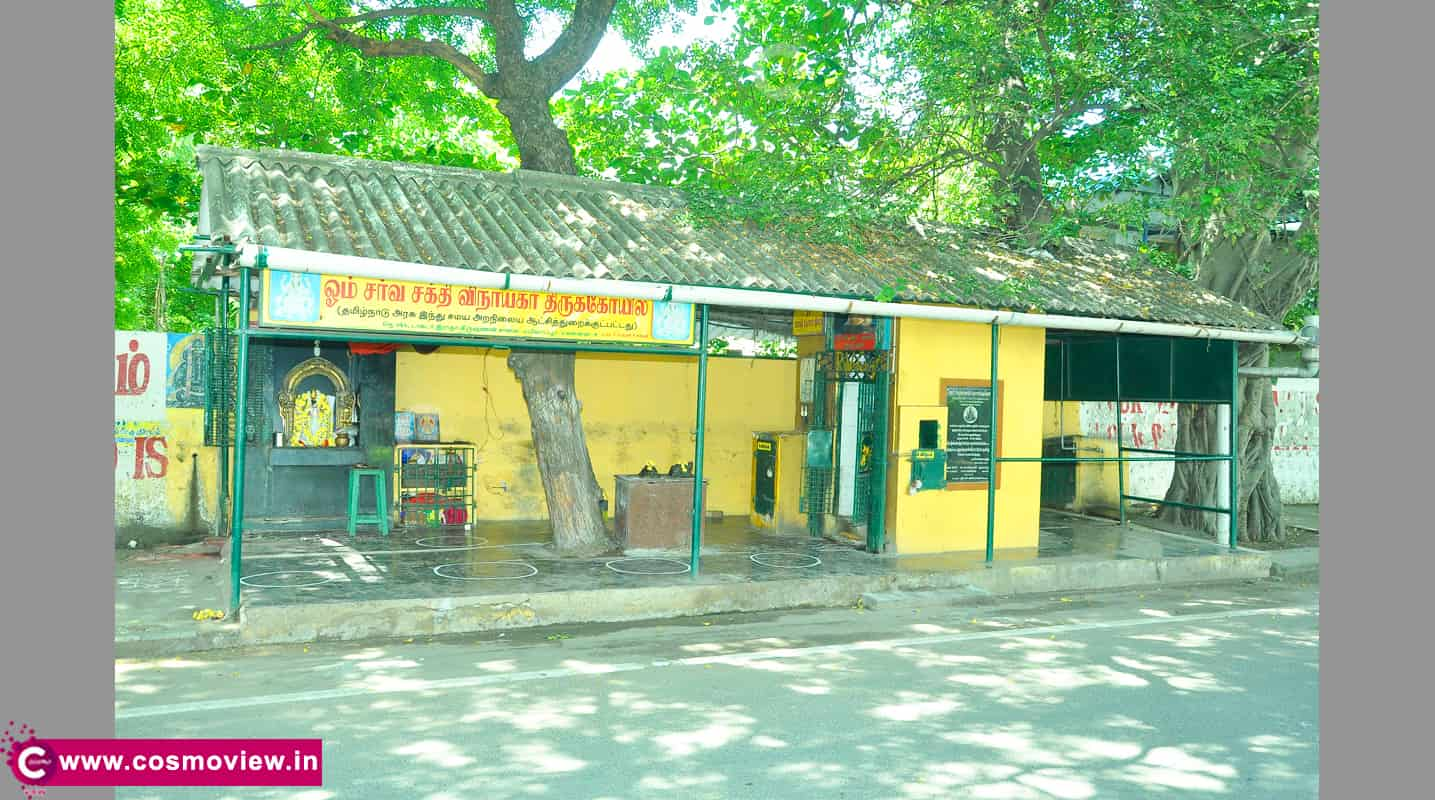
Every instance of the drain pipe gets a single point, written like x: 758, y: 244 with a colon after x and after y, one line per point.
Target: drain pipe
x: 251, y: 255
x: 1309, y: 354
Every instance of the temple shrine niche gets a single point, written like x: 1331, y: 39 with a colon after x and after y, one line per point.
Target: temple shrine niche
x: 316, y: 405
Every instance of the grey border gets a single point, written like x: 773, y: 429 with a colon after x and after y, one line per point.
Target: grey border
x: 58, y: 223
x: 1376, y: 116
x: 1375, y: 665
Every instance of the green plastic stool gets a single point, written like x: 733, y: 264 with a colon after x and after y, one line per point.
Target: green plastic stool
x: 381, y: 498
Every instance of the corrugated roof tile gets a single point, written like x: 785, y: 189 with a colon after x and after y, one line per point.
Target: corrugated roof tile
x: 565, y: 226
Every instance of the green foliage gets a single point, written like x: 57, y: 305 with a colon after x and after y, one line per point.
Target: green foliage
x: 824, y: 120
x: 773, y: 348
x: 765, y: 126
x: 1310, y: 304
x: 196, y: 71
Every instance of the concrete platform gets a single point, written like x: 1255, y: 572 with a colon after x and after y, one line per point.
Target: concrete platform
x: 326, y: 586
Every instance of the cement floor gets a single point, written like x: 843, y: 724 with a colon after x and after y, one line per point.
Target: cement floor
x: 288, y: 568
x: 1303, y: 516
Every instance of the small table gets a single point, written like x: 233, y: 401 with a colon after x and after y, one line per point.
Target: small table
x: 655, y: 512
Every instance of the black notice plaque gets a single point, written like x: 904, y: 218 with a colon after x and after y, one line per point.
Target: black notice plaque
x: 969, y: 433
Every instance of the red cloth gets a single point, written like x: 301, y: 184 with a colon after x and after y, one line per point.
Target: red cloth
x: 371, y: 348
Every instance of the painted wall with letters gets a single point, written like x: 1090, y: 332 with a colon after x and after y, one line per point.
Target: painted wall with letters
x: 165, y: 478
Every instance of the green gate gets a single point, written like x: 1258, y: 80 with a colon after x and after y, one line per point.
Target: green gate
x: 817, y: 465
x: 218, y: 388
x: 870, y: 371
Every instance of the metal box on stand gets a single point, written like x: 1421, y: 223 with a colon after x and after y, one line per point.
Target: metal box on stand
x: 655, y: 513
x: 777, y: 460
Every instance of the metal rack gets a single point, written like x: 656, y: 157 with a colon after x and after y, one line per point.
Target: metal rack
x: 435, y: 485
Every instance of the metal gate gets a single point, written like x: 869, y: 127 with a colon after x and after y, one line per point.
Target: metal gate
x: 218, y: 388
x: 869, y: 371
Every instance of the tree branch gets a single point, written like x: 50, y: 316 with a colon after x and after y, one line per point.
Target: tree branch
x: 472, y: 12
x: 1062, y: 115
x: 1046, y: 49
x: 508, y: 37
x: 572, y: 49
x: 399, y: 48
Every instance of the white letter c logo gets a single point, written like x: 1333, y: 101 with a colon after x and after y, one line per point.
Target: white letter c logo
x: 23, y: 762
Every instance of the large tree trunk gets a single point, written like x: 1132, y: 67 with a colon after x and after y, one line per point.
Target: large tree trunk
x: 1258, y: 506
x: 1027, y: 211
x: 542, y: 145
x: 562, y: 450
x: 547, y: 377
x: 1270, y: 277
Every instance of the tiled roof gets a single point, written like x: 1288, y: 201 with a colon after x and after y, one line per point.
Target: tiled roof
x: 560, y: 226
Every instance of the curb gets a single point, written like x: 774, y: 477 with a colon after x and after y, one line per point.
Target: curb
x: 435, y: 616
x: 219, y: 637
x: 1298, y: 564
x: 376, y: 619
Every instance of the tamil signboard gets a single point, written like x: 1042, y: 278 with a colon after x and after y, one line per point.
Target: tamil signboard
x: 970, y: 406
x: 807, y: 323
x: 332, y: 302
x: 854, y: 332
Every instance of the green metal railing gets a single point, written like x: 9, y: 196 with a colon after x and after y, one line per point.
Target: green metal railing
x: 239, y: 436
x: 1121, y: 459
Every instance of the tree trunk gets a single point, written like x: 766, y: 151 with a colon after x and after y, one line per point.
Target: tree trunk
x: 542, y: 145
x: 1269, y: 277
x: 562, y: 451
x: 523, y: 86
x: 1026, y: 211
x: 1258, y: 509
x: 547, y: 377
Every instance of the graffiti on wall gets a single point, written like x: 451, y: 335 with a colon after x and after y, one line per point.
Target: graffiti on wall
x: 153, y: 372
x: 140, y: 457
x: 184, y: 371
x: 1150, y: 426
x: 1295, y: 454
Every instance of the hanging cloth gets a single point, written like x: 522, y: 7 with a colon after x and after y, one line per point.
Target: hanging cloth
x: 371, y: 348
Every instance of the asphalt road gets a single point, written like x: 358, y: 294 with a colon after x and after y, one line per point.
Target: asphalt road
x: 1200, y: 693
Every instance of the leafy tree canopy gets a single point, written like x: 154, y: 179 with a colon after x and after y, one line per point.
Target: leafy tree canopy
x: 822, y: 116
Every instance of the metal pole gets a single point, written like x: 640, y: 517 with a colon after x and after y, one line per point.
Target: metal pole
x: 221, y: 322
x: 992, y: 453
x: 877, y: 523
x: 1120, y: 462
x: 1233, y: 465
x: 697, y: 540
x: 241, y: 403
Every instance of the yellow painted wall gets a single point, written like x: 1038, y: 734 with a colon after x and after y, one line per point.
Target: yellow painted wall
x: 1060, y: 419
x: 1097, y: 485
x: 635, y: 409
x: 190, y: 459
x: 929, y: 351
x: 156, y: 509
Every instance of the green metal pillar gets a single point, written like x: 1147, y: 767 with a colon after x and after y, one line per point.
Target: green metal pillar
x: 877, y: 518
x: 1120, y: 437
x: 221, y: 322
x: 697, y: 540
x: 241, y: 402
x: 992, y: 452
x: 1233, y: 465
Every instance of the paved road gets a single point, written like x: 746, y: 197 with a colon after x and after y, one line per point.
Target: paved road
x: 1207, y: 693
